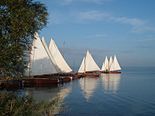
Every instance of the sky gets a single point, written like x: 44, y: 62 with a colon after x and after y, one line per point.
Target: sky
x: 125, y: 28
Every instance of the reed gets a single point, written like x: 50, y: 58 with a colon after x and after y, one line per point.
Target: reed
x: 13, y: 105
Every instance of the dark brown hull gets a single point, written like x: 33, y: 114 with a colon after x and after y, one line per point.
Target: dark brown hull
x: 111, y: 72
x: 89, y: 74
x: 49, y: 79
x: 67, y: 79
x: 40, y: 82
x: 92, y: 75
x: 54, y: 75
x: 114, y: 72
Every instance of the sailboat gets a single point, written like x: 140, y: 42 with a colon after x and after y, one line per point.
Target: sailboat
x: 105, y: 66
x: 88, y: 66
x: 41, y: 68
x: 40, y: 61
x: 63, y: 74
x: 47, y: 50
x: 115, y: 67
x: 59, y: 60
x: 111, y: 66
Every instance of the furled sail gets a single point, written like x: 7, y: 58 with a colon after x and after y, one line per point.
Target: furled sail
x: 88, y: 64
x: 115, y: 65
x: 105, y: 65
x: 40, y: 61
x: 58, y: 58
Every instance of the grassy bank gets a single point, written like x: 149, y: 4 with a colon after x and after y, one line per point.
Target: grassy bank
x: 13, y: 105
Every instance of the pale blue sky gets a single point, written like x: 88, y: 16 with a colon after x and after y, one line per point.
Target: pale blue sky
x: 105, y: 27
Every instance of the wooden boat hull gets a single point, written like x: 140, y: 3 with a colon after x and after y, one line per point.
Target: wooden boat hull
x: 40, y: 82
x: 89, y: 74
x: 67, y: 79
x: 76, y: 76
x: 56, y: 75
x: 80, y: 75
x: 111, y: 72
x: 48, y: 80
x: 37, y: 81
x: 115, y: 72
x: 93, y: 74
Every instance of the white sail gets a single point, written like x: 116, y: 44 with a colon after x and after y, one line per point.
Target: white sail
x: 115, y: 65
x: 110, y: 62
x: 49, y: 54
x: 58, y: 58
x: 105, y: 65
x: 88, y: 64
x: 40, y: 60
x: 82, y: 67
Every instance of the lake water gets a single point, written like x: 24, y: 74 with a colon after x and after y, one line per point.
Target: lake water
x: 131, y: 93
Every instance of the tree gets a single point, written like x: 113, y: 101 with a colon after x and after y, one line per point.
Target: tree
x: 19, y: 20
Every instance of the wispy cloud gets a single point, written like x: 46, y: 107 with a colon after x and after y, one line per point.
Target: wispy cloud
x: 97, y: 36
x: 68, y: 2
x: 56, y: 17
x: 100, y: 16
x: 138, y: 25
x: 92, y: 16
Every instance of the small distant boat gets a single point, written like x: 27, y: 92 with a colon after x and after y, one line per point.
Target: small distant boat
x: 105, y: 66
x: 115, y: 67
x: 111, y: 66
x: 88, y: 67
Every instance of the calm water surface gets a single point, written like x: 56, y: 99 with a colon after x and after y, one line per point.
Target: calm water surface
x: 131, y: 93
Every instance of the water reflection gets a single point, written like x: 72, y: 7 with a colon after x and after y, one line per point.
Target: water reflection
x: 111, y: 82
x: 45, y: 94
x: 42, y: 94
x: 88, y: 86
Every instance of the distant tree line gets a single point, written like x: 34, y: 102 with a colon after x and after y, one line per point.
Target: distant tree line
x: 19, y: 20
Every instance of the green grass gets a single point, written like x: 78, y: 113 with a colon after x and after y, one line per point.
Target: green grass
x: 13, y: 105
